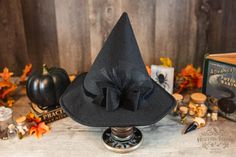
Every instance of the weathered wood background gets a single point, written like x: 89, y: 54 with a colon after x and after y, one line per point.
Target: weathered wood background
x: 70, y: 33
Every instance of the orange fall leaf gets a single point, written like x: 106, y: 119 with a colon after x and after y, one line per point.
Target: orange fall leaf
x: 6, y: 74
x: 5, y: 84
x: 32, y: 118
x: 192, y: 78
x: 10, y: 102
x: 8, y: 91
x: 26, y: 72
x: 148, y: 70
x: 39, y: 130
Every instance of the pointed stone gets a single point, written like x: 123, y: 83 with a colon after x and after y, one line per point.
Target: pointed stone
x: 191, y: 127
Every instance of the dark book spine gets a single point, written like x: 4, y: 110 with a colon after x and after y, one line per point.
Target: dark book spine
x: 53, y: 115
x: 48, y: 116
x: 205, y: 73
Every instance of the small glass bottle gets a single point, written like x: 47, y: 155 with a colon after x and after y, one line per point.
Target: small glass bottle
x: 22, y: 127
x: 183, y: 111
x: 6, y: 123
x: 214, y: 114
x: 197, y: 107
x: 212, y: 103
x: 179, y: 103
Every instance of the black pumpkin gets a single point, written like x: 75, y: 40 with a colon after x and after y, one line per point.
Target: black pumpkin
x: 45, y: 89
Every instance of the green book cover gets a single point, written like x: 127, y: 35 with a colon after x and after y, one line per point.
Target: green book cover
x: 219, y: 81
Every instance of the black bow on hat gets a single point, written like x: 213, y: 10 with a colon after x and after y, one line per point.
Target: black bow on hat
x: 118, y: 87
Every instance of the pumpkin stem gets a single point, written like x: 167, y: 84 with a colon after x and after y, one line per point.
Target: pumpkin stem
x: 45, y: 69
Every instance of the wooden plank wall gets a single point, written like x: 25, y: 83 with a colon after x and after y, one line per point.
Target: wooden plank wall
x: 13, y: 49
x: 71, y: 33
x: 41, y: 32
x: 222, y: 26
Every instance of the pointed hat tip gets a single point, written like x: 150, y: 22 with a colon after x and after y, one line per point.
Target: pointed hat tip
x: 124, y: 15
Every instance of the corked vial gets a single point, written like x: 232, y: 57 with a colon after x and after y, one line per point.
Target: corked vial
x: 178, y: 97
x: 197, y: 107
x: 179, y: 102
x: 22, y: 127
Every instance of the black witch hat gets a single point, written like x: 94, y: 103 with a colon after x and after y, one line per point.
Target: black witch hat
x: 117, y: 91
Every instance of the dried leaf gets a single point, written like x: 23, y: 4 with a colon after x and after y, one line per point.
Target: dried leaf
x: 166, y: 62
x: 148, y: 70
x: 8, y: 91
x: 189, y: 78
x: 39, y: 130
x: 10, y: 102
x: 26, y: 72
x: 72, y: 77
x: 5, y: 84
x: 199, y: 81
x: 6, y: 75
x: 32, y: 118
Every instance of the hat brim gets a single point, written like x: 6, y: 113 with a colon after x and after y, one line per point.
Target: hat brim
x: 80, y: 108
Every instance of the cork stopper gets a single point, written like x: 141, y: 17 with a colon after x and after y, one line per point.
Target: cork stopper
x: 21, y: 120
x: 215, y: 108
x: 178, y: 97
x: 183, y: 109
x: 198, y: 97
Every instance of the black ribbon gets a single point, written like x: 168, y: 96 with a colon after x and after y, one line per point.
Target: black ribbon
x: 120, y: 89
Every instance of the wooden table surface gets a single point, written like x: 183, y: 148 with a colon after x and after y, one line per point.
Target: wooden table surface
x: 68, y: 138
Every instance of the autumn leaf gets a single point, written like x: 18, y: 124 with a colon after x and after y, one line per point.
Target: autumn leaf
x: 6, y: 87
x: 10, y: 102
x: 189, y: 70
x: 166, y: 62
x: 6, y: 75
x: 8, y: 91
x: 5, y: 84
x: 32, y: 118
x: 39, y: 130
x: 26, y: 72
x: 148, y: 70
x: 199, y: 81
x: 189, y: 78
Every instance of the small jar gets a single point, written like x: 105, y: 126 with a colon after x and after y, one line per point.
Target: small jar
x: 6, y: 123
x: 197, y: 107
x: 183, y: 111
x: 22, y: 127
x: 212, y: 103
x: 214, y: 114
x: 179, y: 102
